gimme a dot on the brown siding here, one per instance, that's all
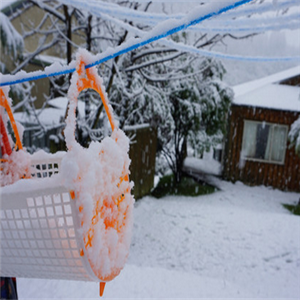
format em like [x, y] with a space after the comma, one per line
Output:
[284, 177]
[292, 81]
[142, 154]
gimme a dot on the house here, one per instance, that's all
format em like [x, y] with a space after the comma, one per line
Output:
[44, 123]
[44, 44]
[257, 150]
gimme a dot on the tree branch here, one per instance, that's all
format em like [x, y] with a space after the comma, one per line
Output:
[153, 62]
[32, 55]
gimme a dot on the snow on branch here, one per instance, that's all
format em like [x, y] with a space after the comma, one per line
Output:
[11, 40]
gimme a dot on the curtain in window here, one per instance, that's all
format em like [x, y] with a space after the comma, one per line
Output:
[262, 138]
[278, 143]
[264, 141]
[249, 139]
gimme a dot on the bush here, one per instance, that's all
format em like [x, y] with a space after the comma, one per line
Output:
[187, 187]
[294, 209]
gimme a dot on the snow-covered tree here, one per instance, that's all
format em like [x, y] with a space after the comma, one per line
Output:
[182, 94]
[294, 135]
[12, 46]
[198, 106]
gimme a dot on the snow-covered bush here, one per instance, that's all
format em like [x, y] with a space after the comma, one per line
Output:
[294, 135]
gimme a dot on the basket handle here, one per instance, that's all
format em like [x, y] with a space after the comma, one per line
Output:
[86, 79]
[4, 103]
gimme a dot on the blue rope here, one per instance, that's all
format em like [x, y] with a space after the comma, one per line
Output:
[169, 32]
[191, 49]
[132, 47]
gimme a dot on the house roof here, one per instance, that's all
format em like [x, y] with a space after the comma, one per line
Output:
[267, 92]
[51, 115]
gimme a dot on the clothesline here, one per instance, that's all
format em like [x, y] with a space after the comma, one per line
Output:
[160, 31]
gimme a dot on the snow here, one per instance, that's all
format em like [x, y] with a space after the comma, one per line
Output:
[51, 59]
[274, 96]
[48, 116]
[210, 166]
[52, 115]
[294, 135]
[98, 175]
[238, 242]
[16, 165]
[247, 87]
[269, 93]
[136, 127]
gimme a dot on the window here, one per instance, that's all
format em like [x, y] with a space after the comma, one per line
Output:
[264, 141]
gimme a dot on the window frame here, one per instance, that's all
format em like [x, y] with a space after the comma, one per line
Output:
[272, 125]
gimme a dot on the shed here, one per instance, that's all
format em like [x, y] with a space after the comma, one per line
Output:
[257, 150]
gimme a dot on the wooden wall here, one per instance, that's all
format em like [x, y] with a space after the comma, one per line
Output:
[284, 177]
[142, 153]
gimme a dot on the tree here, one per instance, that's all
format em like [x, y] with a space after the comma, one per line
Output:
[12, 45]
[294, 135]
[180, 93]
[198, 106]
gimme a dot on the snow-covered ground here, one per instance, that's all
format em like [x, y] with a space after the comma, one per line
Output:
[236, 243]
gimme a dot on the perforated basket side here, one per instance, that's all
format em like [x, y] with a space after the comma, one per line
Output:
[39, 233]
[46, 167]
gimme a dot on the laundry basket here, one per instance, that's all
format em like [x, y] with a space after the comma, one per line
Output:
[39, 228]
[72, 218]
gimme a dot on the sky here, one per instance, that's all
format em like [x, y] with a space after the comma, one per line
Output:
[276, 43]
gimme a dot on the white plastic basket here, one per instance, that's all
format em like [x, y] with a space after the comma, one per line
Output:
[71, 218]
[39, 228]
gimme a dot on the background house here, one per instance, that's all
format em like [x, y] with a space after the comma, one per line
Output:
[44, 44]
[257, 150]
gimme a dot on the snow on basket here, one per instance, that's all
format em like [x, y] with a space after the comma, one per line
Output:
[73, 218]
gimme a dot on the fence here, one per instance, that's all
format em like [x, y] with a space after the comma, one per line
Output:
[142, 153]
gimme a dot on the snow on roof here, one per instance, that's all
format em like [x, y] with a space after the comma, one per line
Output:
[246, 87]
[267, 92]
[59, 102]
[274, 96]
[49, 116]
